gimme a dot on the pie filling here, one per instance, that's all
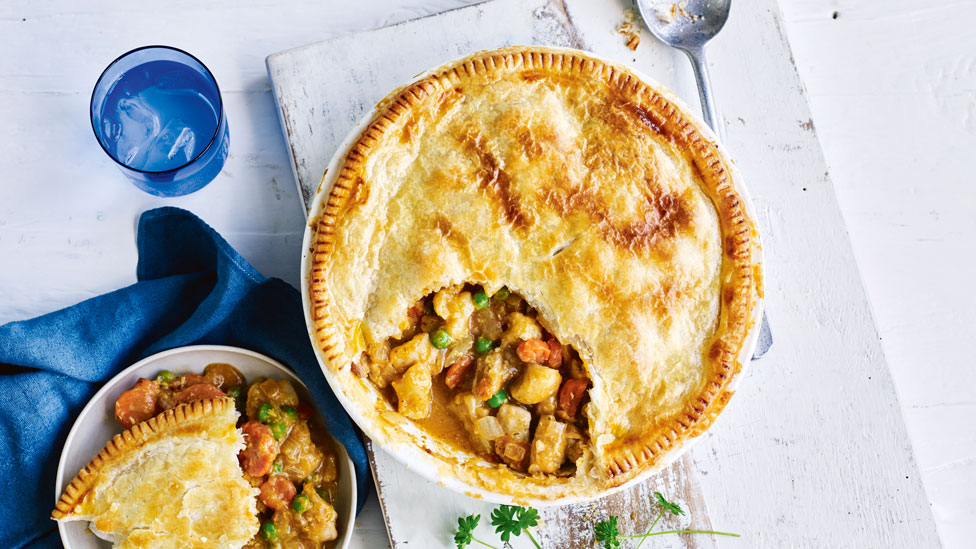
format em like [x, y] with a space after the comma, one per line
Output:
[482, 373]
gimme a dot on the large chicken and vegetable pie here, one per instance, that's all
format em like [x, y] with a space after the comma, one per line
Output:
[535, 266]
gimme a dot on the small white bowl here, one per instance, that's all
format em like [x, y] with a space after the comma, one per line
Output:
[96, 425]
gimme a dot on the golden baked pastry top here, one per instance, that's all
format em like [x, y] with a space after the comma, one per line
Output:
[173, 480]
[592, 194]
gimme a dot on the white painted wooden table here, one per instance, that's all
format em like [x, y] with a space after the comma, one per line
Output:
[891, 87]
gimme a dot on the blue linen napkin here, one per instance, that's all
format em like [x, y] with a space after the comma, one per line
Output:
[193, 288]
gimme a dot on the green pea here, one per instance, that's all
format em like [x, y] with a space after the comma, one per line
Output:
[278, 430]
[497, 399]
[234, 392]
[269, 531]
[300, 504]
[291, 412]
[264, 412]
[440, 338]
[277, 467]
[502, 294]
[165, 377]
[482, 345]
[480, 298]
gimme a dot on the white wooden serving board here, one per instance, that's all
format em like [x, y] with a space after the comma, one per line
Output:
[813, 451]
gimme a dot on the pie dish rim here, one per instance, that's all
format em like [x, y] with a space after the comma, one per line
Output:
[411, 453]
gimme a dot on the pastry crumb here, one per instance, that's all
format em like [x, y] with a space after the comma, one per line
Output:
[633, 37]
[667, 12]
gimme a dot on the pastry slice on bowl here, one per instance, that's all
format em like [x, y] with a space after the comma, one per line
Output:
[173, 480]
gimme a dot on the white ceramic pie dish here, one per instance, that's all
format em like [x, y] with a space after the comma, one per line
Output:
[405, 449]
[96, 425]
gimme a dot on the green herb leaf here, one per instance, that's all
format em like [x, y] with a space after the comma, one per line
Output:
[504, 521]
[673, 508]
[606, 532]
[527, 517]
[465, 530]
[510, 520]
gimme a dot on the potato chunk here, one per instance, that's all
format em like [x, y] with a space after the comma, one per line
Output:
[520, 328]
[413, 391]
[458, 319]
[536, 384]
[442, 300]
[418, 349]
[548, 447]
[547, 406]
[515, 421]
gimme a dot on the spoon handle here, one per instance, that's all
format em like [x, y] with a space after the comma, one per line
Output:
[697, 57]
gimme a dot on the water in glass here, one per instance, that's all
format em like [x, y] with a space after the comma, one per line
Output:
[158, 116]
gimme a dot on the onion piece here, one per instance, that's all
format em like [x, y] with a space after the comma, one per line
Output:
[488, 428]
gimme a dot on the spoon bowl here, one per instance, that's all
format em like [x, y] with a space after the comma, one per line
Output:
[687, 25]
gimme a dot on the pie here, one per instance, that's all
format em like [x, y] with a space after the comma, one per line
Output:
[279, 453]
[538, 268]
[171, 481]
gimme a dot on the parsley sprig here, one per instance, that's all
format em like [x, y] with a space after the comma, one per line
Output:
[464, 534]
[606, 531]
[510, 520]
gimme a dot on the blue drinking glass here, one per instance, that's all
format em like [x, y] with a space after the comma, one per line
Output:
[157, 112]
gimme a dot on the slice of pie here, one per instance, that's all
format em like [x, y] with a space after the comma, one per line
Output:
[537, 267]
[171, 481]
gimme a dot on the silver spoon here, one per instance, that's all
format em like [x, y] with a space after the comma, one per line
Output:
[688, 25]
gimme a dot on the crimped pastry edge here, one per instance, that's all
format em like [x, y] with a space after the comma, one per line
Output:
[741, 265]
[135, 437]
